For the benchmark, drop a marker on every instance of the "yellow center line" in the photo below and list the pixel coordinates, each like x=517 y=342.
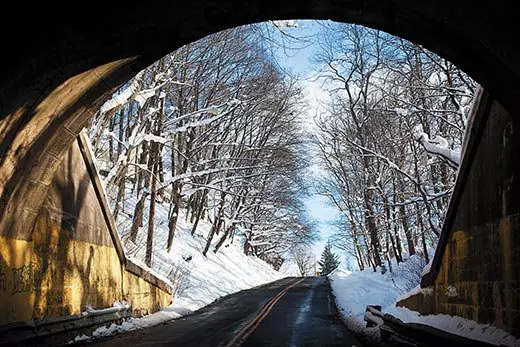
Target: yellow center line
x=245 y=332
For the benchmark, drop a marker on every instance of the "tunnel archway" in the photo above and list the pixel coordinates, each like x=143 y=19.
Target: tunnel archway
x=60 y=70
x=67 y=63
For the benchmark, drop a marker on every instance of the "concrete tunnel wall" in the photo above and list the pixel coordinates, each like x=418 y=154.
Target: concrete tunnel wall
x=65 y=63
x=72 y=258
x=475 y=273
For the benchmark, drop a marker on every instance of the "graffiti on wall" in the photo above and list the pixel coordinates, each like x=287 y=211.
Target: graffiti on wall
x=3 y=279
x=24 y=279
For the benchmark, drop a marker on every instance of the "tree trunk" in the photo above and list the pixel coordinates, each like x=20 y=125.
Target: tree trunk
x=217 y=224
x=357 y=252
x=111 y=140
x=399 y=247
x=137 y=219
x=372 y=230
x=389 y=230
x=120 y=199
x=149 y=240
x=121 y=132
x=153 y=164
x=229 y=229
x=407 y=231
x=423 y=239
x=172 y=224
x=200 y=208
x=140 y=174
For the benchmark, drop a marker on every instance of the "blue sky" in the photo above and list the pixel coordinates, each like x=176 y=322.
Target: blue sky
x=299 y=62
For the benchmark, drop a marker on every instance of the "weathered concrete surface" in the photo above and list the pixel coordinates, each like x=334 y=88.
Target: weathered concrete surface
x=476 y=271
x=69 y=260
x=34 y=140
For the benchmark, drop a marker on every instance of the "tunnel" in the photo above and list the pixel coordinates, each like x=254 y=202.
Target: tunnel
x=62 y=63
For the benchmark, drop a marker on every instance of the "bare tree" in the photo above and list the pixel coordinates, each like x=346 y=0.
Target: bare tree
x=304 y=260
x=212 y=131
x=389 y=141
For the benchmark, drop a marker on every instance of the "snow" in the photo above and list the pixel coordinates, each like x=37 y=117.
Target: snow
x=457 y=325
x=80 y=338
x=131 y=324
x=451 y=292
x=200 y=123
x=144 y=95
x=289 y=268
x=370 y=316
x=355 y=290
x=122 y=98
x=415 y=291
x=153 y=138
x=427 y=268
x=202 y=280
x=401 y=112
x=118 y=306
x=137 y=138
x=289 y=23
x=438 y=146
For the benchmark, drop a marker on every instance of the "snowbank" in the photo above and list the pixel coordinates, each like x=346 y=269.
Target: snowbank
x=131 y=324
x=355 y=290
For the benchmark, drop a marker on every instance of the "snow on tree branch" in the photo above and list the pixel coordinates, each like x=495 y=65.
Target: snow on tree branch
x=438 y=146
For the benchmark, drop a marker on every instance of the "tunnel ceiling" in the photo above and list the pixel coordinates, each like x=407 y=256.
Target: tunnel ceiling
x=478 y=37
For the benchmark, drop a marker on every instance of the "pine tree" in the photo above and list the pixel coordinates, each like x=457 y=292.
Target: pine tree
x=329 y=261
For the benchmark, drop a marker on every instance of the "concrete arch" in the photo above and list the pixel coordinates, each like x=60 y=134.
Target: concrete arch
x=64 y=62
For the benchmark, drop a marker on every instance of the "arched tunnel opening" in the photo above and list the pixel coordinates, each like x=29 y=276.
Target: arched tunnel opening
x=55 y=87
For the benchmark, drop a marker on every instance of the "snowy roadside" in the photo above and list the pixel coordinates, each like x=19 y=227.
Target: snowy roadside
x=200 y=295
x=355 y=290
x=197 y=280
x=164 y=315
x=457 y=326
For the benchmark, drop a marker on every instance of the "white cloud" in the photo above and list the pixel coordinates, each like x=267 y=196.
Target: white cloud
x=317 y=99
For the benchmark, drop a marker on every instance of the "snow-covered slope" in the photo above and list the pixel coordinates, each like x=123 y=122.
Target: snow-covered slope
x=199 y=280
x=355 y=290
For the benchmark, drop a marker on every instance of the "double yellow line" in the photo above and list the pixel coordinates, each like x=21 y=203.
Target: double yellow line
x=244 y=333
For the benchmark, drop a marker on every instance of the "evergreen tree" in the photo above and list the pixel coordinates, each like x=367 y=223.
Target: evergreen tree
x=329 y=261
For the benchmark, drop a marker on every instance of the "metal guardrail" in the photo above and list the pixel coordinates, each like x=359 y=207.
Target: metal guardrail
x=414 y=334
x=373 y=316
x=60 y=330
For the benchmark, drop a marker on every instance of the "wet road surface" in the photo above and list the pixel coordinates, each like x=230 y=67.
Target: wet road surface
x=289 y=312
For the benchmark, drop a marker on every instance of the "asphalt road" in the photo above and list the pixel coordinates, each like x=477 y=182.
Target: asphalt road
x=288 y=312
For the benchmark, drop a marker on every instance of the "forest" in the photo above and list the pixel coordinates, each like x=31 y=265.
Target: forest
x=390 y=141
x=217 y=132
